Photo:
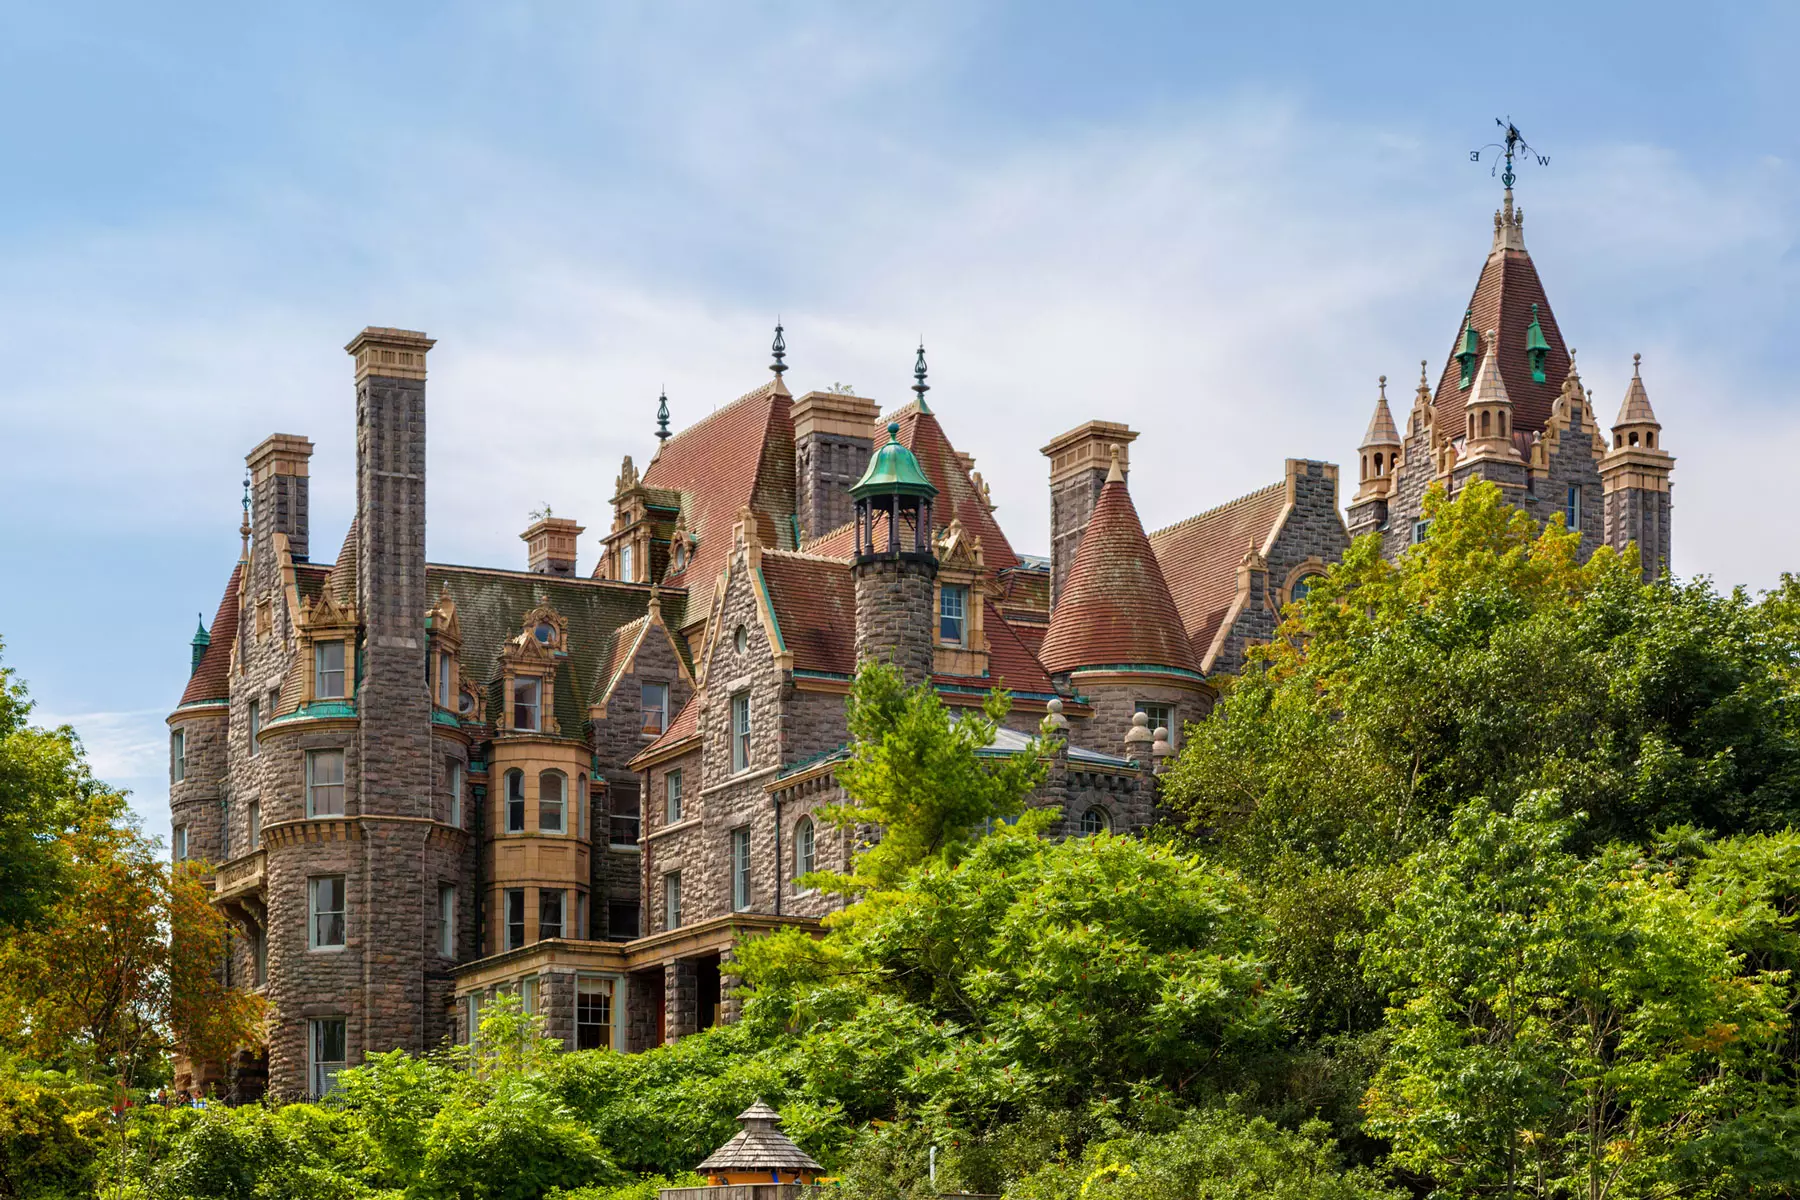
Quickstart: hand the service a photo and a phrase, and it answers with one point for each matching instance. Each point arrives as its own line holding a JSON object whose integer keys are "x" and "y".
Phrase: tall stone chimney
{"x": 1079, "y": 462}
{"x": 550, "y": 545}
{"x": 833, "y": 437}
{"x": 278, "y": 468}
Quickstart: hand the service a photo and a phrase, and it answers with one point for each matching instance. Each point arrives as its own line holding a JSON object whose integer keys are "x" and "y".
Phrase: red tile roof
{"x": 685, "y": 725}
{"x": 1200, "y": 556}
{"x": 1504, "y": 293}
{"x": 212, "y": 680}
{"x": 957, "y": 495}
{"x": 1011, "y": 663}
{"x": 815, "y": 609}
{"x": 741, "y": 456}
{"x": 1115, "y": 607}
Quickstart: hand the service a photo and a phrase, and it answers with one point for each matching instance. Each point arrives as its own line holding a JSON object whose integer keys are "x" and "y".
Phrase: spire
{"x": 662, "y": 415}
{"x": 920, "y": 387}
{"x": 779, "y": 349}
{"x": 244, "y": 525}
{"x": 1489, "y": 389}
{"x": 202, "y": 640}
{"x": 1636, "y": 409}
{"x": 1113, "y": 473}
{"x": 1382, "y": 430}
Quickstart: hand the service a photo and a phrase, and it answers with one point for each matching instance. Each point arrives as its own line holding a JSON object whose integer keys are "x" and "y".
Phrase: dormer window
{"x": 625, "y": 575}
{"x": 544, "y": 632}
{"x": 680, "y": 554}
{"x": 953, "y": 614}
{"x": 445, "y": 678}
{"x": 740, "y": 639}
{"x": 527, "y": 703}
{"x": 328, "y": 670}
{"x": 1470, "y": 353}
{"x": 1537, "y": 349}
{"x": 465, "y": 703}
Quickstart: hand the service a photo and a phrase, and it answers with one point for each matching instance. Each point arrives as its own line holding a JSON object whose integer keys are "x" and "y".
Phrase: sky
{"x": 1219, "y": 224}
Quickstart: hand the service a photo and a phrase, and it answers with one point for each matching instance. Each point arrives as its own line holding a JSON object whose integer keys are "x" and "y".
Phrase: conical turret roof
{"x": 1489, "y": 386}
{"x": 758, "y": 1146}
{"x": 1382, "y": 430}
{"x": 1115, "y": 609}
{"x": 1636, "y": 409}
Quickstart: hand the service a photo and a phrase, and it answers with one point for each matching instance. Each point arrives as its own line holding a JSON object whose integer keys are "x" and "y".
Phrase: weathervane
{"x": 1515, "y": 143}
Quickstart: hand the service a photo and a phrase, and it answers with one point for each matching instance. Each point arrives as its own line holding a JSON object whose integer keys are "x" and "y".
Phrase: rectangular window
{"x": 325, "y": 903}
{"x": 593, "y": 1013}
{"x": 1572, "y": 509}
{"x": 259, "y": 955}
{"x": 581, "y": 918}
{"x": 327, "y": 1054}
{"x": 625, "y": 563}
{"x": 953, "y": 614}
{"x": 526, "y": 695}
{"x": 177, "y": 755}
{"x": 255, "y": 821}
{"x": 255, "y": 725}
{"x": 740, "y": 869}
{"x": 528, "y": 994}
{"x": 328, "y": 671}
{"x": 515, "y": 802}
{"x": 672, "y": 900}
{"x": 550, "y": 913}
{"x": 456, "y": 792}
{"x": 740, "y": 732}
{"x": 447, "y": 920}
{"x": 474, "y": 1019}
{"x": 672, "y": 796}
{"x": 1162, "y": 716}
{"x": 515, "y": 918}
{"x": 179, "y": 850}
{"x": 1420, "y": 531}
{"x": 625, "y": 818}
{"x": 550, "y": 802}
{"x": 656, "y": 706}
{"x": 444, "y": 679}
{"x": 621, "y": 920}
{"x": 324, "y": 783}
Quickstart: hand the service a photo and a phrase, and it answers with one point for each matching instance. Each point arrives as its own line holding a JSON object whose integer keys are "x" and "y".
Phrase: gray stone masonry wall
{"x": 1114, "y": 705}
{"x": 394, "y": 778}
{"x": 825, "y": 467}
{"x": 1255, "y": 622}
{"x": 1072, "y": 503}
{"x": 556, "y": 1004}
{"x": 895, "y": 614}
{"x": 643, "y": 1004}
{"x": 831, "y": 845}
{"x": 1511, "y": 477}
{"x": 1642, "y": 516}
{"x": 280, "y": 503}
{"x": 195, "y": 801}
{"x": 1312, "y": 530}
{"x": 663, "y": 853}
{"x": 1412, "y": 479}
{"x": 812, "y": 723}
{"x": 1573, "y": 464}
{"x": 681, "y": 999}
{"x": 1129, "y": 804}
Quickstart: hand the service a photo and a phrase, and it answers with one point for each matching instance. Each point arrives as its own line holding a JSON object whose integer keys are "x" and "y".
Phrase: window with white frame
{"x": 255, "y": 726}
{"x": 740, "y": 732}
{"x": 446, "y": 679}
{"x": 177, "y": 755}
{"x": 740, "y": 869}
{"x": 324, "y": 783}
{"x": 515, "y": 802}
{"x": 551, "y": 904}
{"x": 626, "y": 817}
{"x": 655, "y": 697}
{"x": 672, "y": 900}
{"x": 1095, "y": 820}
{"x": 1572, "y": 507}
{"x": 953, "y": 614}
{"x": 1162, "y": 716}
{"x": 551, "y": 802}
{"x": 528, "y": 994}
{"x": 327, "y": 1053}
{"x": 515, "y": 918}
{"x": 447, "y": 920}
{"x": 456, "y": 792}
{"x": 178, "y": 850}
{"x": 328, "y": 670}
{"x": 593, "y": 1012}
{"x": 527, "y": 697}
{"x": 805, "y": 847}
{"x": 625, "y": 563}
{"x": 672, "y": 796}
{"x": 474, "y": 1017}
{"x": 326, "y": 912}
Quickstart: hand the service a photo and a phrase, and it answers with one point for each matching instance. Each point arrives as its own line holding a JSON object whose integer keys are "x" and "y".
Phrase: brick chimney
{"x": 550, "y": 545}
{"x": 1079, "y": 462}
{"x": 834, "y": 435}
{"x": 278, "y": 489}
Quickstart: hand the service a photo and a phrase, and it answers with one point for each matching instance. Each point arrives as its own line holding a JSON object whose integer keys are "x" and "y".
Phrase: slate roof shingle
{"x": 815, "y": 609}
{"x": 758, "y": 1146}
{"x": 1504, "y": 293}
{"x": 212, "y": 679}
{"x": 1200, "y": 556}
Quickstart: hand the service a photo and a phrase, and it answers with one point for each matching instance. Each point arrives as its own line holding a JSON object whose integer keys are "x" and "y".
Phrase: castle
{"x": 419, "y": 784}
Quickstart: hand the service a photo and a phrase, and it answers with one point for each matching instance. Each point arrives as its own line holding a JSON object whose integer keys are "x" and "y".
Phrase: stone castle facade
{"x": 419, "y": 784}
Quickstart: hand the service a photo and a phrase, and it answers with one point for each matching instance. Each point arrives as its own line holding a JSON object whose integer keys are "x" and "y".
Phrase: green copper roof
{"x": 201, "y": 637}
{"x": 893, "y": 471}
{"x": 1534, "y": 337}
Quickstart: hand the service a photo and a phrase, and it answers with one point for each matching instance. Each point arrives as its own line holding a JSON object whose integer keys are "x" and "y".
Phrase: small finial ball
{"x": 1055, "y": 705}
{"x": 893, "y": 429}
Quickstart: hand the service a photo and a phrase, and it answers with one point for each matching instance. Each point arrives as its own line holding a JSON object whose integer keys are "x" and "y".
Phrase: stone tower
{"x": 1634, "y": 476}
{"x": 1079, "y": 462}
{"x": 833, "y": 438}
{"x": 895, "y": 565}
{"x": 1378, "y": 457}
{"x": 278, "y": 477}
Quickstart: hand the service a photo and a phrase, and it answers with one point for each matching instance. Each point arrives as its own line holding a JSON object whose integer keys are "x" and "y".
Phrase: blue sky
{"x": 1219, "y": 225}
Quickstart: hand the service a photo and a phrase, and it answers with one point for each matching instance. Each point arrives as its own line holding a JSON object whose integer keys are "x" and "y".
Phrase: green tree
{"x": 1565, "y": 1026}
{"x": 45, "y": 785}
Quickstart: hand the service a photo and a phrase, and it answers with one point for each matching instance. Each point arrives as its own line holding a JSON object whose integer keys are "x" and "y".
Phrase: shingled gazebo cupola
{"x": 759, "y": 1153}
{"x": 895, "y": 565}
{"x": 893, "y": 497}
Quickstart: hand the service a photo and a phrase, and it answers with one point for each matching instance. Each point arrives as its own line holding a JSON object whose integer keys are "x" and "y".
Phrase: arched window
{"x": 1502, "y": 424}
{"x": 1650, "y": 440}
{"x": 1378, "y": 464}
{"x": 1487, "y": 422}
{"x": 551, "y": 786}
{"x": 805, "y": 847}
{"x": 515, "y": 802}
{"x": 1365, "y": 466}
{"x": 1095, "y": 820}
{"x": 1633, "y": 439}
{"x": 1302, "y": 586}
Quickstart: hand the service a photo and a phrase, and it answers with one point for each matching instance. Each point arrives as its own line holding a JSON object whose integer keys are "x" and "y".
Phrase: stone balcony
{"x": 240, "y": 887}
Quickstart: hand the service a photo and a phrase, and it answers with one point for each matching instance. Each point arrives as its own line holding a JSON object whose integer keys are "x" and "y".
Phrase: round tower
{"x": 895, "y": 565}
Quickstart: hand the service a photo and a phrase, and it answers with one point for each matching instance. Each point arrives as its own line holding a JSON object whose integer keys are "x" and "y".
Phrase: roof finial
{"x": 1384, "y": 389}
{"x": 1115, "y": 473}
{"x": 662, "y": 416}
{"x": 1636, "y": 360}
{"x": 920, "y": 387}
{"x": 779, "y": 350}
{"x": 244, "y": 525}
